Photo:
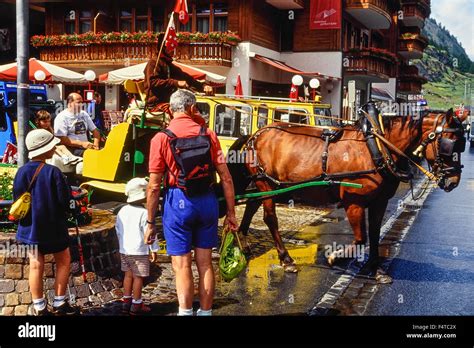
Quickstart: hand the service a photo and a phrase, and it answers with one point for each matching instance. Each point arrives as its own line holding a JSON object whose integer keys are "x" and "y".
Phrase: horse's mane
{"x": 406, "y": 121}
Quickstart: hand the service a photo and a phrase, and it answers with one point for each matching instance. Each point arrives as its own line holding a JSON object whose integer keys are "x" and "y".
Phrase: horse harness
{"x": 381, "y": 154}
{"x": 444, "y": 147}
{"x": 328, "y": 135}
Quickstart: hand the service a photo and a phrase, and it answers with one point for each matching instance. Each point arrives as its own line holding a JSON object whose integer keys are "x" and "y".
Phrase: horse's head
{"x": 443, "y": 142}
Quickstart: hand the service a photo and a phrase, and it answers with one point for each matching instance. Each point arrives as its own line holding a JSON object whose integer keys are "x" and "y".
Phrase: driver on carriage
{"x": 165, "y": 78}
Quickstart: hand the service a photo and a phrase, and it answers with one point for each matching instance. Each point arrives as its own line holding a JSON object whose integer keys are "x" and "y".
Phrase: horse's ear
{"x": 464, "y": 116}
{"x": 449, "y": 116}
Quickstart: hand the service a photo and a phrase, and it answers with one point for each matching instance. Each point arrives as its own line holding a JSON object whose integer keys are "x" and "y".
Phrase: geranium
{"x": 146, "y": 37}
{"x": 379, "y": 52}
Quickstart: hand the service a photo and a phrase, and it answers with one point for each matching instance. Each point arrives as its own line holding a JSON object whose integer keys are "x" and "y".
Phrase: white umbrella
{"x": 136, "y": 72}
{"x": 53, "y": 73}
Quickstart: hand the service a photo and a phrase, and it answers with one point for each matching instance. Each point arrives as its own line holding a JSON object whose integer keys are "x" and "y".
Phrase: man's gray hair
{"x": 181, "y": 100}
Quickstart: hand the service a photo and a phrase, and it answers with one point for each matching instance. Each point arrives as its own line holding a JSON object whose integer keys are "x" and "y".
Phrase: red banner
{"x": 325, "y": 14}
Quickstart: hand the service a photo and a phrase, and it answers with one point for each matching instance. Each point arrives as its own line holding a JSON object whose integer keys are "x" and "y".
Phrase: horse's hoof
{"x": 290, "y": 267}
{"x": 383, "y": 278}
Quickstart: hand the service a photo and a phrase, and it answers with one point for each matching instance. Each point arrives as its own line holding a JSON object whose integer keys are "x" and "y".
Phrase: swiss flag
{"x": 294, "y": 93}
{"x": 181, "y": 8}
{"x": 171, "y": 39}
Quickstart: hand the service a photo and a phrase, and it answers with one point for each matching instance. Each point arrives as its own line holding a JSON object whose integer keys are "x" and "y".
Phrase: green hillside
{"x": 447, "y": 67}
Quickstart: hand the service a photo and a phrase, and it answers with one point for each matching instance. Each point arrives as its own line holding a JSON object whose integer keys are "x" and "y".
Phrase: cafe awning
{"x": 136, "y": 72}
{"x": 53, "y": 73}
{"x": 285, "y": 67}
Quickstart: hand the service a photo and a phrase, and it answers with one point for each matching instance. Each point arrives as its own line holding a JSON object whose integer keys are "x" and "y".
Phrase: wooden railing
{"x": 381, "y": 4}
{"x": 409, "y": 80}
{"x": 417, "y": 43}
{"x": 414, "y": 10}
{"x": 118, "y": 53}
{"x": 412, "y": 87}
{"x": 409, "y": 70}
{"x": 366, "y": 63}
{"x": 205, "y": 53}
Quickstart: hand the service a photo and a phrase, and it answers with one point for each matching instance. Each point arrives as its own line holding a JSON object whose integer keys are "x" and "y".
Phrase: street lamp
{"x": 90, "y": 76}
{"x": 40, "y": 75}
{"x": 296, "y": 81}
{"x": 314, "y": 84}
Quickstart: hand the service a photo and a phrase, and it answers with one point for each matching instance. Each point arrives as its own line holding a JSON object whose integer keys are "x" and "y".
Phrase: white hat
{"x": 135, "y": 189}
{"x": 40, "y": 141}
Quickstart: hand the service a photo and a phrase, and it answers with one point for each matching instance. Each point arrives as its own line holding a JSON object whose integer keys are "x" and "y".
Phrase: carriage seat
{"x": 104, "y": 164}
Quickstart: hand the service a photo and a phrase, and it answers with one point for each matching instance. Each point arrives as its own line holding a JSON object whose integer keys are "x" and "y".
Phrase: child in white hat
{"x": 134, "y": 253}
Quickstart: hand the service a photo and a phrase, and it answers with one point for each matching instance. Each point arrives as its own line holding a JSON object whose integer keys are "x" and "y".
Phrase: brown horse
{"x": 290, "y": 153}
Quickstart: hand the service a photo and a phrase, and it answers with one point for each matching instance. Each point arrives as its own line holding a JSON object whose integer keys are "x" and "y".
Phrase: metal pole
{"x": 22, "y": 52}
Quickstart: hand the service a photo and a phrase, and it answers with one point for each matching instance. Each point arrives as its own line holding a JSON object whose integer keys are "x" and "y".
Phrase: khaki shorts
{"x": 138, "y": 264}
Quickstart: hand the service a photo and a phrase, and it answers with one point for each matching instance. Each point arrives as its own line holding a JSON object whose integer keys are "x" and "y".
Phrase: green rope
{"x": 293, "y": 188}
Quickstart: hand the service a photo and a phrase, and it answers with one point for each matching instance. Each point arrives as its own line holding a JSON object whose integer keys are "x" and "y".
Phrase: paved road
{"x": 434, "y": 272}
{"x": 265, "y": 289}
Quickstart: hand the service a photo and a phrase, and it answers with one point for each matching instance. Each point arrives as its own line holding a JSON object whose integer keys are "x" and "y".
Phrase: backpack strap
{"x": 38, "y": 170}
{"x": 169, "y": 133}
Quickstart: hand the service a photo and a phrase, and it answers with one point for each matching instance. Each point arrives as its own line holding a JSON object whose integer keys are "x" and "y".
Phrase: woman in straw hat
{"x": 44, "y": 228}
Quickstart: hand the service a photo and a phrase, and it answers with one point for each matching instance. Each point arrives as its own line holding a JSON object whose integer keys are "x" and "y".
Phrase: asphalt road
{"x": 434, "y": 272}
{"x": 264, "y": 288}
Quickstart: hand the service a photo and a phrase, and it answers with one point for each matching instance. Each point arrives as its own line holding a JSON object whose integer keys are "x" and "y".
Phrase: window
{"x": 323, "y": 121}
{"x": 85, "y": 21}
{"x": 203, "y": 19}
{"x": 289, "y": 115}
{"x": 141, "y": 19}
{"x": 125, "y": 20}
{"x": 232, "y": 123}
{"x": 157, "y": 15}
{"x": 204, "y": 110}
{"x": 70, "y": 21}
{"x": 262, "y": 119}
{"x": 220, "y": 17}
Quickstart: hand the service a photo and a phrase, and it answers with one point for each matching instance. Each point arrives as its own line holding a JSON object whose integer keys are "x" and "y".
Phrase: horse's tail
{"x": 238, "y": 171}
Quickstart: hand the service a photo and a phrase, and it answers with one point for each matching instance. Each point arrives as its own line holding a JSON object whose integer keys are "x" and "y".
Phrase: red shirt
{"x": 161, "y": 156}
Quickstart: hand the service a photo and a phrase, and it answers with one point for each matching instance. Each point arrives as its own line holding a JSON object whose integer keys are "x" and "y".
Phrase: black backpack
{"x": 193, "y": 159}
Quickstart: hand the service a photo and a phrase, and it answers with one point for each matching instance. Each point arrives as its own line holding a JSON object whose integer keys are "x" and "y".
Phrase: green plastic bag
{"x": 232, "y": 261}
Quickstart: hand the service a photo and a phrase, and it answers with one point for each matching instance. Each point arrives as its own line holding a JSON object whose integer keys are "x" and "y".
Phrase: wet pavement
{"x": 434, "y": 272}
{"x": 265, "y": 289}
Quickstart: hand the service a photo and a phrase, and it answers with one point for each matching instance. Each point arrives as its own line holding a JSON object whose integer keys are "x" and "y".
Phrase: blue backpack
{"x": 194, "y": 161}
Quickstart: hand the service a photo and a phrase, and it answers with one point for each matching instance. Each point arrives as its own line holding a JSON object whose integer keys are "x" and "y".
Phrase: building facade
{"x": 372, "y": 44}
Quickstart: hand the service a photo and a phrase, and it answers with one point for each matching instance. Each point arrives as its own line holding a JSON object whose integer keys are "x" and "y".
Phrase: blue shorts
{"x": 189, "y": 222}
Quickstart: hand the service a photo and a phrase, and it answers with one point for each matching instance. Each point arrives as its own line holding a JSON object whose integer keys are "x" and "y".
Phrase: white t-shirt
{"x": 73, "y": 126}
{"x": 131, "y": 226}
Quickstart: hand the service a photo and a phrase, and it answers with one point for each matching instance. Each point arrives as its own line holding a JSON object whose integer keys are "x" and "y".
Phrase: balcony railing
{"x": 410, "y": 81}
{"x": 412, "y": 46}
{"x": 287, "y": 4}
{"x": 374, "y": 14}
{"x": 370, "y": 65}
{"x": 415, "y": 13}
{"x": 204, "y": 53}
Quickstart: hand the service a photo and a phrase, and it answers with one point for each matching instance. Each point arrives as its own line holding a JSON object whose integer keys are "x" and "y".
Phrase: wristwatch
{"x": 150, "y": 222}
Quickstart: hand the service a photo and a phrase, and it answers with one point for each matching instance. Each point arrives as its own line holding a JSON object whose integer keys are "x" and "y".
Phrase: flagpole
{"x": 164, "y": 39}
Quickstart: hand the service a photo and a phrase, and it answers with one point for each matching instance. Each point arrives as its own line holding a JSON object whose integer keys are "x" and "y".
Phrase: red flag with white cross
{"x": 181, "y": 8}
{"x": 171, "y": 39}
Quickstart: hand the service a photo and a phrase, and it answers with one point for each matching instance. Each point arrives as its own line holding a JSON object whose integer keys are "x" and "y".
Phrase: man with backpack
{"x": 186, "y": 156}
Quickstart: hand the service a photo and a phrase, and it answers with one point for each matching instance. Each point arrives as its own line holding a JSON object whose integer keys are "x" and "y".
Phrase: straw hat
{"x": 40, "y": 141}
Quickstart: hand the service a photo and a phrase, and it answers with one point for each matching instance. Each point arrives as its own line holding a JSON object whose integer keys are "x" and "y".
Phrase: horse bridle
{"x": 443, "y": 147}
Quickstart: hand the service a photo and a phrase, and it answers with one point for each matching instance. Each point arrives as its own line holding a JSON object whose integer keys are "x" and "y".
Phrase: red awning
{"x": 285, "y": 67}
